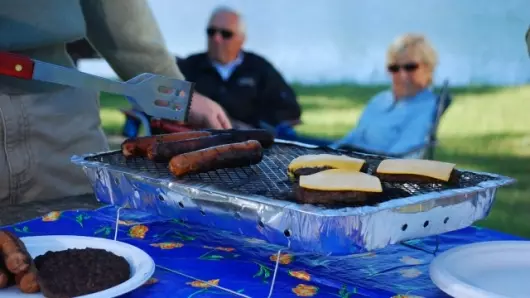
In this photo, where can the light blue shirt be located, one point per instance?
(226, 70)
(393, 127)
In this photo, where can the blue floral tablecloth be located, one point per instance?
(246, 266)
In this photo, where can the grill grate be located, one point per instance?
(269, 178)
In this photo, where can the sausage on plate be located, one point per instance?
(224, 156)
(16, 257)
(27, 282)
(5, 276)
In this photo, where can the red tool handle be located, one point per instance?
(17, 66)
(169, 126)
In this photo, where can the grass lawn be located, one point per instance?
(485, 129)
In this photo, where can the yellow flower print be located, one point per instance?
(167, 245)
(227, 249)
(284, 258)
(52, 216)
(202, 284)
(302, 290)
(410, 260)
(410, 273)
(151, 281)
(138, 231)
(300, 274)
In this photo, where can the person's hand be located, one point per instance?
(205, 112)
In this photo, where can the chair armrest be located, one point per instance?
(141, 117)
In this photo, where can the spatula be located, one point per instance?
(157, 96)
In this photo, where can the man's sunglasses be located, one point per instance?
(225, 34)
(409, 67)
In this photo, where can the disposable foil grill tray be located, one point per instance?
(257, 201)
(269, 178)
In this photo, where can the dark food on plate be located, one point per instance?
(265, 138)
(16, 264)
(224, 156)
(138, 146)
(76, 272)
(416, 171)
(337, 186)
(314, 163)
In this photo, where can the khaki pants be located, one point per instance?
(40, 130)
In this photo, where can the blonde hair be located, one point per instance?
(416, 43)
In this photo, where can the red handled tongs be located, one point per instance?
(157, 96)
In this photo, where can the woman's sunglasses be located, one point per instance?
(225, 34)
(408, 67)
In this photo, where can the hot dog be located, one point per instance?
(218, 157)
(27, 282)
(6, 277)
(138, 146)
(261, 135)
(165, 151)
(16, 257)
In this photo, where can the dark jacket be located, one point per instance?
(254, 92)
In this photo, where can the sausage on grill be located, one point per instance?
(161, 152)
(138, 146)
(261, 135)
(218, 157)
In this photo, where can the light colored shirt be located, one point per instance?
(226, 70)
(393, 127)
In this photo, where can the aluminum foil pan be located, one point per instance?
(254, 202)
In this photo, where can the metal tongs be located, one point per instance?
(157, 96)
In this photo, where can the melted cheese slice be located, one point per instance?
(326, 160)
(341, 180)
(421, 167)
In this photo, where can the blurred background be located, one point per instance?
(333, 53)
(346, 40)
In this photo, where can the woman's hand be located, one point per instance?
(205, 112)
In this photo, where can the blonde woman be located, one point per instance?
(398, 120)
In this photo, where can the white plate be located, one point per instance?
(489, 269)
(142, 265)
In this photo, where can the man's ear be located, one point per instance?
(528, 40)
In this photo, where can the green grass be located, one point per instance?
(485, 129)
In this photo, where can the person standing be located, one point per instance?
(42, 125)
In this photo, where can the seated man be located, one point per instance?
(248, 87)
(398, 120)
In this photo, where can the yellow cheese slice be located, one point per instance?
(421, 167)
(341, 180)
(326, 160)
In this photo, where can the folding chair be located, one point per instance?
(425, 151)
